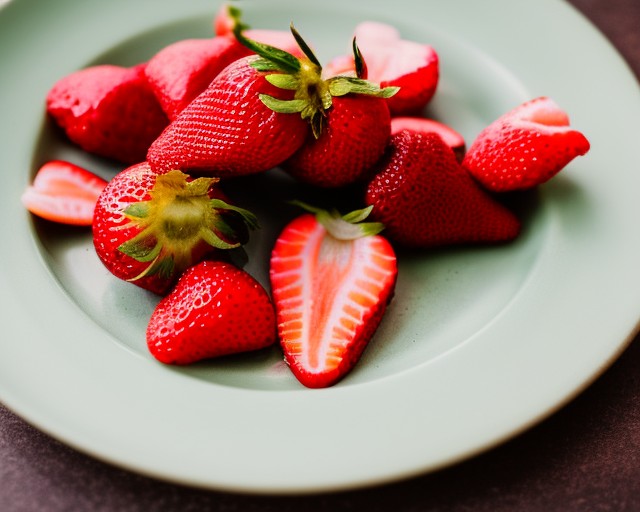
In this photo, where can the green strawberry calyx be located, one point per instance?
(349, 226)
(180, 217)
(313, 94)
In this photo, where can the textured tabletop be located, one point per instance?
(586, 457)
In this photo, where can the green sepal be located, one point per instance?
(139, 210)
(164, 267)
(358, 215)
(249, 218)
(304, 46)
(215, 241)
(139, 251)
(282, 81)
(283, 106)
(342, 85)
(264, 65)
(361, 65)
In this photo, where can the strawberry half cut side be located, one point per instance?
(525, 147)
(331, 278)
(64, 192)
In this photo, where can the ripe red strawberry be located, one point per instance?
(525, 147)
(63, 192)
(425, 198)
(252, 116)
(354, 138)
(148, 228)
(394, 62)
(108, 110)
(331, 279)
(215, 309)
(181, 71)
(424, 125)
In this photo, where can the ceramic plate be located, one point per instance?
(479, 343)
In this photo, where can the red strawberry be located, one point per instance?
(425, 198)
(423, 125)
(181, 71)
(63, 192)
(216, 309)
(525, 147)
(251, 117)
(354, 138)
(331, 281)
(108, 110)
(393, 61)
(148, 228)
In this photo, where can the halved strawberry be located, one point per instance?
(424, 125)
(524, 147)
(215, 309)
(108, 110)
(393, 61)
(331, 278)
(64, 192)
(182, 70)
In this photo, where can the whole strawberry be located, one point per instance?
(148, 228)
(254, 114)
(332, 277)
(525, 147)
(108, 110)
(215, 309)
(426, 199)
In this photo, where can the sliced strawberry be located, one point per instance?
(215, 309)
(525, 147)
(424, 125)
(108, 110)
(64, 192)
(396, 62)
(182, 70)
(331, 280)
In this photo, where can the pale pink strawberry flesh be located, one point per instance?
(63, 192)
(326, 291)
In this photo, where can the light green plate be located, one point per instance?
(478, 345)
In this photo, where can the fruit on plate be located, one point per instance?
(524, 147)
(393, 61)
(108, 110)
(331, 277)
(149, 228)
(63, 192)
(426, 199)
(182, 70)
(425, 125)
(254, 114)
(215, 309)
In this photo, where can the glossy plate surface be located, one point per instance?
(478, 344)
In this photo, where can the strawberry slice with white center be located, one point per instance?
(64, 192)
(331, 278)
(396, 62)
(525, 147)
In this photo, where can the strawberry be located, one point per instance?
(148, 228)
(331, 279)
(182, 70)
(355, 137)
(393, 61)
(524, 147)
(424, 125)
(252, 116)
(426, 199)
(215, 309)
(108, 110)
(63, 192)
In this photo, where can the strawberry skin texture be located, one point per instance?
(525, 147)
(227, 130)
(353, 139)
(215, 309)
(181, 71)
(426, 199)
(330, 296)
(129, 186)
(108, 110)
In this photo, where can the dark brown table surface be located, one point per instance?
(586, 457)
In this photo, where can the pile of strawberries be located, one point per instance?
(203, 111)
